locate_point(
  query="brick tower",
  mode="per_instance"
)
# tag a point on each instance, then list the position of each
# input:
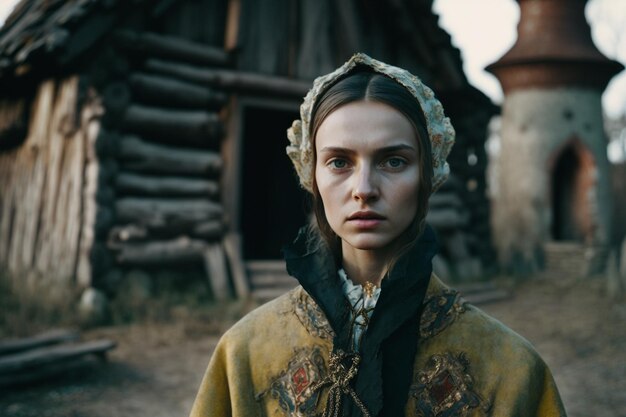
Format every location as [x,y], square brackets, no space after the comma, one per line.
[553,175]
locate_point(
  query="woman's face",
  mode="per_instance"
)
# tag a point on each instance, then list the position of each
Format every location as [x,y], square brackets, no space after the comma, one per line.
[367,173]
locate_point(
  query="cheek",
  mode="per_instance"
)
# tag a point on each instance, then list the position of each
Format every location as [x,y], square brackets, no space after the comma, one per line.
[405,197]
[327,184]
[331,195]
[321,182]
[326,191]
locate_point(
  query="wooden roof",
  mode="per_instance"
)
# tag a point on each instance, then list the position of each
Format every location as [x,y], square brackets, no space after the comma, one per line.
[320,36]
[53,33]
[49,28]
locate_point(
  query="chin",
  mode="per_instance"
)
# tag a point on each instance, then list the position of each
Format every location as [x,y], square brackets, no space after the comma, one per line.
[369,242]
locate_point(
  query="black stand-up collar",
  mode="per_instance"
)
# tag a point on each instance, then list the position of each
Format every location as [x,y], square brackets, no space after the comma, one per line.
[389,345]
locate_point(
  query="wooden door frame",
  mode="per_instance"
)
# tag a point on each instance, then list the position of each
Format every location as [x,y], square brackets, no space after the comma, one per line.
[232,174]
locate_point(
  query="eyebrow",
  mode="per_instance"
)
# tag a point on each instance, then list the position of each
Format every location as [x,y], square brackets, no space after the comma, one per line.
[386,149]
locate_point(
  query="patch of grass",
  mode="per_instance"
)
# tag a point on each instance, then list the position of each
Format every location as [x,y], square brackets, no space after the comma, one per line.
[24,312]
[191,305]
[170,296]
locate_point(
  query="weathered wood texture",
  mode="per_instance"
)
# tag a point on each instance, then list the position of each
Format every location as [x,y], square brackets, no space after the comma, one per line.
[129,183]
[303,39]
[197,128]
[142,156]
[468,162]
[265,31]
[166,213]
[232,249]
[44,339]
[91,173]
[316,48]
[42,182]
[210,230]
[164,167]
[198,21]
[153,44]
[13,122]
[215,265]
[300,39]
[10,112]
[246,82]
[38,28]
[168,92]
[45,355]
[153,253]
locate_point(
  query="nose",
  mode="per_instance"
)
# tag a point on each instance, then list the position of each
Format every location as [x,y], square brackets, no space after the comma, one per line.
[365,186]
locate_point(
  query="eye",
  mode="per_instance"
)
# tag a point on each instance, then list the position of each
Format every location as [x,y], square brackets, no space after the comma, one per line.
[394,163]
[338,163]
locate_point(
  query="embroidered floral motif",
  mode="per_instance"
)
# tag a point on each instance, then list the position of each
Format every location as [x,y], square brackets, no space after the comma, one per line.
[311,315]
[440,311]
[295,388]
[444,388]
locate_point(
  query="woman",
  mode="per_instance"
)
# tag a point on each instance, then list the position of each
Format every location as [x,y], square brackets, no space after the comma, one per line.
[371,331]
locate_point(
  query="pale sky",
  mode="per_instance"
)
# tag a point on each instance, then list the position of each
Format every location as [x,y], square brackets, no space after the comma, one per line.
[5,8]
[485,29]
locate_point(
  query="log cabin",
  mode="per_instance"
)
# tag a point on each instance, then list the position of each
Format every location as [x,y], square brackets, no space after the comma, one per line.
[150,135]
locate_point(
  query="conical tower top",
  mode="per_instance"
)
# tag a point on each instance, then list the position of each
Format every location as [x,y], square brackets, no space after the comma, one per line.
[554,48]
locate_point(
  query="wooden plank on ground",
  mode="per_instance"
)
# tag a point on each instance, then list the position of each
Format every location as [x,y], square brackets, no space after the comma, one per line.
[43,339]
[43,372]
[37,357]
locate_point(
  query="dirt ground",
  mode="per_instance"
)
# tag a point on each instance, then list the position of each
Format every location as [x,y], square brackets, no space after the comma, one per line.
[157,367]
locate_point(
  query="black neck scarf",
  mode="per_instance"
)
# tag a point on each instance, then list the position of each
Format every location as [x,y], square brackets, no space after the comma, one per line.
[389,345]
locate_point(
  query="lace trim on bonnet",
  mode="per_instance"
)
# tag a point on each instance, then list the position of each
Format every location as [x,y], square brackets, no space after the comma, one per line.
[440,130]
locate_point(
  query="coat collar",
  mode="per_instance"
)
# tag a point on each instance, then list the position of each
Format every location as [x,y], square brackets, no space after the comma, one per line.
[390,342]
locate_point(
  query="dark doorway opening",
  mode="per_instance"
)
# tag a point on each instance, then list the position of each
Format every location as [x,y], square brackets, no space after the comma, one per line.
[573,185]
[273,206]
[563,190]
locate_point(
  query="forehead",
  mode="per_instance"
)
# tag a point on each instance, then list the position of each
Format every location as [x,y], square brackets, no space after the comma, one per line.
[365,124]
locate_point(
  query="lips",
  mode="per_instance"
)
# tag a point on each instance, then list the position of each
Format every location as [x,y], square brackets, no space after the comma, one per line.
[366,215]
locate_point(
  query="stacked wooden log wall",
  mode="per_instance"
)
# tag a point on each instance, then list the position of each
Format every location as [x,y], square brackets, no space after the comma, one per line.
[44,212]
[158,195]
[451,217]
[470,114]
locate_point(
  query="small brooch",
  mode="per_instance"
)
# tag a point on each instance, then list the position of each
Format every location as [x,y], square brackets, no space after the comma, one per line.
[368,289]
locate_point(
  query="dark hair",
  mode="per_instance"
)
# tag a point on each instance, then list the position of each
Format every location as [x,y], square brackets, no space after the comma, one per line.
[365,84]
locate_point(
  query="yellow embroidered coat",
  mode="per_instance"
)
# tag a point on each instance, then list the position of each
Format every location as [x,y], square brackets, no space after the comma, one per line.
[273,361]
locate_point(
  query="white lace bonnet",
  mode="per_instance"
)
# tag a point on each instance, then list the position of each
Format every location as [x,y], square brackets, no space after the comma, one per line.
[440,129]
